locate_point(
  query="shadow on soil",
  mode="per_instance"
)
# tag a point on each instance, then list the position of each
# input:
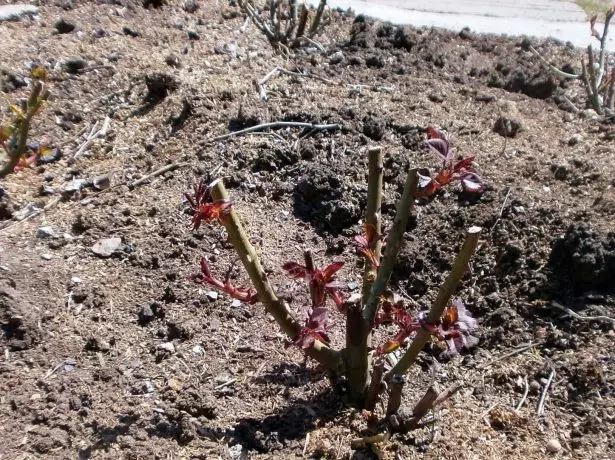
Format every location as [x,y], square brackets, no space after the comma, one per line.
[288,424]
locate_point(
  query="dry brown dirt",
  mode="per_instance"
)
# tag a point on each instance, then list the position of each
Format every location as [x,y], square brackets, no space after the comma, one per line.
[125,357]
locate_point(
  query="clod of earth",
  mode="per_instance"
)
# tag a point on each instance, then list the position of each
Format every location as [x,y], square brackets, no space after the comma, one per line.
[584,259]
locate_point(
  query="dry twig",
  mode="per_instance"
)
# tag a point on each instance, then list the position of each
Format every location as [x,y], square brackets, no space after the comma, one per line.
[541,404]
[279,124]
[583,317]
[158,172]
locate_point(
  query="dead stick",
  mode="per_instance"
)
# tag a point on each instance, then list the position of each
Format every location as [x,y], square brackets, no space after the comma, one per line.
[395,391]
[158,172]
[425,404]
[374,386]
[582,317]
[278,124]
[541,404]
[524,397]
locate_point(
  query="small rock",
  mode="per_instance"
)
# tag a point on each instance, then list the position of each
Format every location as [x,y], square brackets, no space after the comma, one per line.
[568,117]
[356,60]
[46,256]
[375,61]
[236,303]
[494,299]
[436,97]
[198,350]
[76,280]
[74,186]
[74,403]
[193,35]
[130,32]
[561,171]
[146,314]
[508,127]
[212,295]
[107,247]
[45,232]
[74,65]
[336,58]
[172,60]
[46,190]
[148,387]
[167,346]
[101,182]
[66,5]
[553,446]
[589,114]
[221,378]
[466,34]
[352,285]
[485,97]
[190,6]
[574,139]
[175,384]
[62,26]
[15,12]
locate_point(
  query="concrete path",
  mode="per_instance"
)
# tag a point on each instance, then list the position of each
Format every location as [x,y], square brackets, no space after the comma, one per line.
[561,19]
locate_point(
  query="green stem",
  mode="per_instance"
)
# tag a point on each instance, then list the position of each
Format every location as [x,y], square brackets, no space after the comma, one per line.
[394,241]
[358,329]
[442,300]
[373,215]
[266,295]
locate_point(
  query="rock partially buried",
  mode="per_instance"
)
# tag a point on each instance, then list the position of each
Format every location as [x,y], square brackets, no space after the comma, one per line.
[45,232]
[107,247]
[17,11]
[508,126]
[553,446]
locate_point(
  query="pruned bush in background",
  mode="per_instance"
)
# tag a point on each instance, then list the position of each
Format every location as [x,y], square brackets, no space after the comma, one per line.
[15,128]
[286,23]
[598,80]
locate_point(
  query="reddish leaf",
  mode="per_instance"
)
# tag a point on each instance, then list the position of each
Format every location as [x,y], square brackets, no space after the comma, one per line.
[450,171]
[245,295]
[296,271]
[328,274]
[203,208]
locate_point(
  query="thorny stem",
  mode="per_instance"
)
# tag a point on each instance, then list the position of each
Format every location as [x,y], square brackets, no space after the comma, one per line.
[394,240]
[274,306]
[373,215]
[358,328]
[437,308]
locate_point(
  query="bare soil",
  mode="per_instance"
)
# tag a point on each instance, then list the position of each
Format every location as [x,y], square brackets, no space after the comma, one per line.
[125,357]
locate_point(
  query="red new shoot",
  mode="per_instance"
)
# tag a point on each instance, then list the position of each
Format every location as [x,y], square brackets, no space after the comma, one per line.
[322,282]
[391,312]
[204,208]
[245,295]
[450,171]
[365,245]
[455,327]
[316,326]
